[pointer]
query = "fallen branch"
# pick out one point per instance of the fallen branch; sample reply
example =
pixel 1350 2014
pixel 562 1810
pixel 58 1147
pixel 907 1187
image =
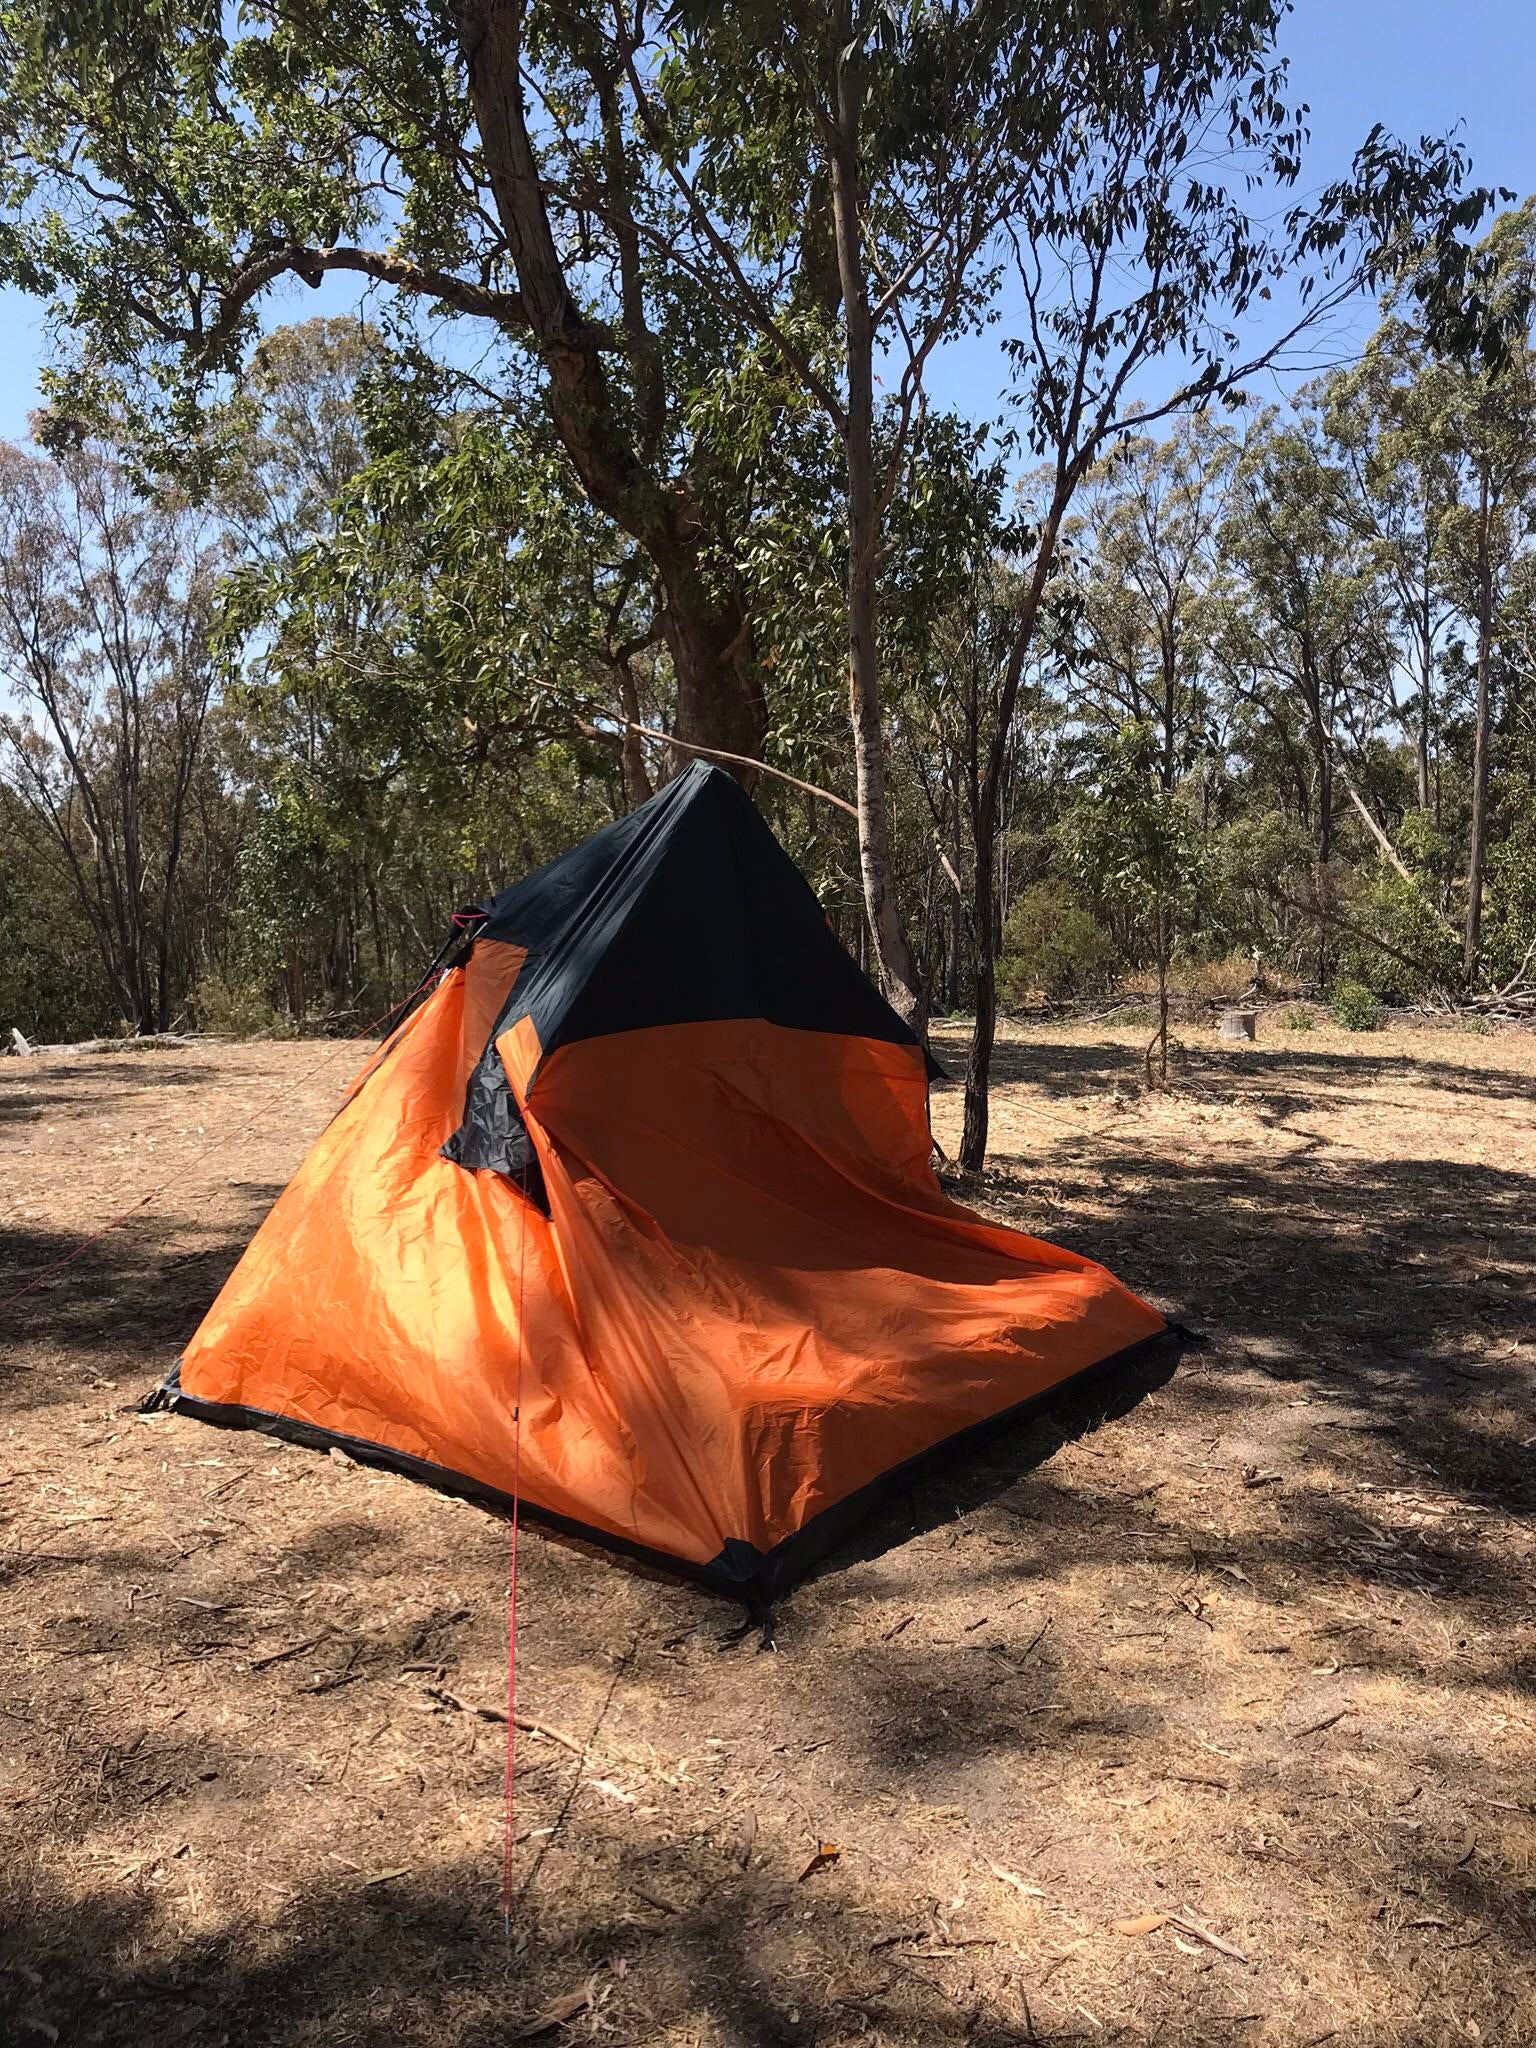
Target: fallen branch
pixel 148 1041
pixel 1518 977
pixel 527 1726
pixel 1186 1923
pixel 293 1650
pixel 1355 931
pixel 1317 1727
pixel 1374 827
pixel 670 739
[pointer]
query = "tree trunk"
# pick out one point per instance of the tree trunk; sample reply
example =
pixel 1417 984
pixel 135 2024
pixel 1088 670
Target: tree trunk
pixel 984 814
pixel 1168 710
pixel 956 950
pixel 1160 1043
pixel 1477 851
pixel 721 701
pixel 637 782
pixel 720 695
pixel 380 978
pixel 978 1064
pixel 893 956
pixel 1426 687
pixel 898 970
pixel 1324 755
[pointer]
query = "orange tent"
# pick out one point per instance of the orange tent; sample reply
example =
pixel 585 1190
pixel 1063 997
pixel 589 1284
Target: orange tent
pixel 650 1166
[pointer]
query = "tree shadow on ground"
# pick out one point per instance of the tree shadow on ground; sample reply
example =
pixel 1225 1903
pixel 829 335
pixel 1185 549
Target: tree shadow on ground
pixel 1393 1284
pixel 120 1305
pixel 957 1657
pixel 960 1481
pixel 1091 1067
pixel 60 1089
pixel 682 1936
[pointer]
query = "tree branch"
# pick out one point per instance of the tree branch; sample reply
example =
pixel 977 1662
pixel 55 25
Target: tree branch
pixel 505 308
pixel 651 732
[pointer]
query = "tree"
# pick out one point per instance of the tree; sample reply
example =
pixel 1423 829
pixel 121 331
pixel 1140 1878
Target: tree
pixel 1134 845
pixel 52 981
pixel 1308 640
pixel 106 611
pixel 1492 410
pixel 1145 540
pixel 1131 253
pixel 167 169
pixel 1387 421
pixel 621 205
pixel 422 605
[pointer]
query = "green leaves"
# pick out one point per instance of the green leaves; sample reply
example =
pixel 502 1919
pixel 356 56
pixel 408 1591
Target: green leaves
pixel 1135 845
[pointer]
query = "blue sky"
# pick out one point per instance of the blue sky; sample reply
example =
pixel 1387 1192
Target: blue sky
pixel 1417 66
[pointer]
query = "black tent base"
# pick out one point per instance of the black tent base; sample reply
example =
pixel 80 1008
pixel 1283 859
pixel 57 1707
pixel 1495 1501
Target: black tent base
pixel 715 1577
pixel 741 1571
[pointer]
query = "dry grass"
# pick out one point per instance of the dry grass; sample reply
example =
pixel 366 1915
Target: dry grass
pixel 1254 1641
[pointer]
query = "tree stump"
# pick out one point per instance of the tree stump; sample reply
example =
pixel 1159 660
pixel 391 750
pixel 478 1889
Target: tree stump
pixel 1238 1025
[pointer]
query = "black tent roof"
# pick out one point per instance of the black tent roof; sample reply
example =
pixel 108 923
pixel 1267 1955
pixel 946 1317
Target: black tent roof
pixel 686 910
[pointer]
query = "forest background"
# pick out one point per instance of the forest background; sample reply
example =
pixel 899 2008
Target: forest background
pixel 1105 550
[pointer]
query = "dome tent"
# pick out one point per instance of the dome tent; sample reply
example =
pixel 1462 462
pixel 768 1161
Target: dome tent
pixel 649 1168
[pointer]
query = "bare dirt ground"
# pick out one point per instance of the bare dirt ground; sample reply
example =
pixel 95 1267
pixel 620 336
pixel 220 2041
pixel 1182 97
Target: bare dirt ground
pixel 1200 1712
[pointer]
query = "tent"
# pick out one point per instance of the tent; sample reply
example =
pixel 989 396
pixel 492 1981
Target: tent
pixel 634 1217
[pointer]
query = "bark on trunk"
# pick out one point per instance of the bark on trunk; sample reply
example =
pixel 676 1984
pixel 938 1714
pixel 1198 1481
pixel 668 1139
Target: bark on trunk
pixel 984 814
pixel 721 700
pixel 893 956
pixel 1477 850
pixel 1312 684
pixel 637 782
pixel 1158 1077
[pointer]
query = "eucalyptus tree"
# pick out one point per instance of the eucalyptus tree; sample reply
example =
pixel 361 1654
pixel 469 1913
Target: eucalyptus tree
pixel 1145 542
pixel 919 160
pixel 608 207
pixel 885 153
pixel 1145 238
pixel 1309 642
pixel 108 673
pixel 1304 623
pixel 619 205
pixel 1388 420
pixel 168 169
pixel 1489 414
pixel 427 618
pixel 1134 844
pixel 612 211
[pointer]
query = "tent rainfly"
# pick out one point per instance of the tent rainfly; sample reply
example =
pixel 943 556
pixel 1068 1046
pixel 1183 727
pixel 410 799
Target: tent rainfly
pixel 635 1215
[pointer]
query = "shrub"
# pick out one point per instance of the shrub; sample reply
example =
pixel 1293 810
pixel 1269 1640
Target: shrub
pixel 1424 846
pixel 1509 933
pixel 1357 1007
pixel 1401 914
pixel 1053 944
pixel 236 1009
pixel 1509 929
pixel 1297 1018
pixel 1220 980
